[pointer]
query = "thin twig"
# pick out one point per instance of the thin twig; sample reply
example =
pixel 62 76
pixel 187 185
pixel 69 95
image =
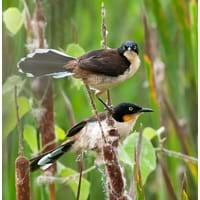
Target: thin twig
pixel 69 108
pixel 21 147
pixel 80 176
pixel 95 111
pixel 103 26
pixel 62 180
pixel 104 43
pixel 177 155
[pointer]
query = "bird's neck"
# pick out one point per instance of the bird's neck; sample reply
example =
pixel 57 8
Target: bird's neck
pixel 134 59
pixel 131 56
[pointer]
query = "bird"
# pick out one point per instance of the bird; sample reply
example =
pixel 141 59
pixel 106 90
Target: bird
pixel 86 135
pixel 100 69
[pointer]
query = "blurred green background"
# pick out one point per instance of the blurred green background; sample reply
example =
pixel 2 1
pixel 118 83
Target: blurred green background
pixel 79 21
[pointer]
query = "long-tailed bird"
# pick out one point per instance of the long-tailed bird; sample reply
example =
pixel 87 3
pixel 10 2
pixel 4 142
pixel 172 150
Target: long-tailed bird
pixel 100 69
pixel 86 135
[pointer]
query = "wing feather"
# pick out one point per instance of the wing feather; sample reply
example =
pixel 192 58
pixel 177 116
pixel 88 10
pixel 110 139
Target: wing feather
pixel 75 129
pixel 104 61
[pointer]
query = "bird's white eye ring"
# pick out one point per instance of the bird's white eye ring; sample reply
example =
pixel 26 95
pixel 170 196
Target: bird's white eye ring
pixel 130 108
pixel 134 47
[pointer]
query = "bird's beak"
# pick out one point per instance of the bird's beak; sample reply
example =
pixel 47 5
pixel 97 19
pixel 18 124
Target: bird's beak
pixel 146 110
pixel 129 48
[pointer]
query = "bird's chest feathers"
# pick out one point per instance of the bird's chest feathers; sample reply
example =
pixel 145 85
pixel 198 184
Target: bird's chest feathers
pixel 90 136
pixel 124 128
pixel 135 63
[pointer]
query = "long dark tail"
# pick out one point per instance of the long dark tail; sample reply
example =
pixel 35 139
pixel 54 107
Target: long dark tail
pixel 45 62
pixel 49 157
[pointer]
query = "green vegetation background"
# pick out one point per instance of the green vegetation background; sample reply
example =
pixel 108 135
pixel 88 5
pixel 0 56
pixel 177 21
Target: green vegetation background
pixel 79 22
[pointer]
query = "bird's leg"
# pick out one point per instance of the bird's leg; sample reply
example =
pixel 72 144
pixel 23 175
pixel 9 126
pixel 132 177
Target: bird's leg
pixel 95 111
pixel 108 108
pixel 107 105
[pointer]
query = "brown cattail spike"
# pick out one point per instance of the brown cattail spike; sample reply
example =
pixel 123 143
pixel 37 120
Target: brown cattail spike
pixel 113 170
pixel 22 171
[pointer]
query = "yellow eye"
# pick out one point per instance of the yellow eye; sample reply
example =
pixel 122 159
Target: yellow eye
pixel 130 108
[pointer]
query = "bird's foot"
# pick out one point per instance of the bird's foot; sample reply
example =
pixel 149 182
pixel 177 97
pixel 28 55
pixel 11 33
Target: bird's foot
pixel 109 108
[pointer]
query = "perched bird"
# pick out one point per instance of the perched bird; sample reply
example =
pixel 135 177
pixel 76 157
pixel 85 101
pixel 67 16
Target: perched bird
pixel 100 69
pixel 86 135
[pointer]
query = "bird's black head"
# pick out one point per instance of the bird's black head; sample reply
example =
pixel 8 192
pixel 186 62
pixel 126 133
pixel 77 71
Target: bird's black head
pixel 127 111
pixel 128 46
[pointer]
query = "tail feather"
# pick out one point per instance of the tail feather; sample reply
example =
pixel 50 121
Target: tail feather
pixel 49 157
pixel 45 62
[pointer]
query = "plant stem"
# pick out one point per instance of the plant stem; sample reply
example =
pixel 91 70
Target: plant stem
pixel 21 147
pixel 177 155
pixel 53 179
pixel 95 111
pixel 80 161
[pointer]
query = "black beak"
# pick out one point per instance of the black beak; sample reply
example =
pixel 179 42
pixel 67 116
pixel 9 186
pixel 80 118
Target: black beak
pixel 146 110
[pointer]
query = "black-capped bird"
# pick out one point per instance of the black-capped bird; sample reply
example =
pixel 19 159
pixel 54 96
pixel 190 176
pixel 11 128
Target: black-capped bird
pixel 100 69
pixel 86 135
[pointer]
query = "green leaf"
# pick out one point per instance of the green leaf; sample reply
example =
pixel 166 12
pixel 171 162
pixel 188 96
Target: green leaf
pixel 149 132
pixel 60 133
pixel 13 19
pixel 75 50
pixel 76 83
pixel 8 86
pixel 30 136
pixel 73 183
pixel 124 157
pixel 148 156
pixel 9 113
pixel 185 195
pixel 9 107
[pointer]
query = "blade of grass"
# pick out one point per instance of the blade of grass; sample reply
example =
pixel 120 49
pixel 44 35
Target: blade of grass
pixel 194 37
pixel 170 189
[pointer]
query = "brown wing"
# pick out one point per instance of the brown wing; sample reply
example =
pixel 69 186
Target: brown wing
pixel 104 61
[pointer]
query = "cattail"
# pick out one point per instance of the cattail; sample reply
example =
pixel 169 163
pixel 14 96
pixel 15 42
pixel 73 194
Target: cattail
pixel 22 168
pixel 42 89
pixel 113 171
pixel 44 93
pixel 22 172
